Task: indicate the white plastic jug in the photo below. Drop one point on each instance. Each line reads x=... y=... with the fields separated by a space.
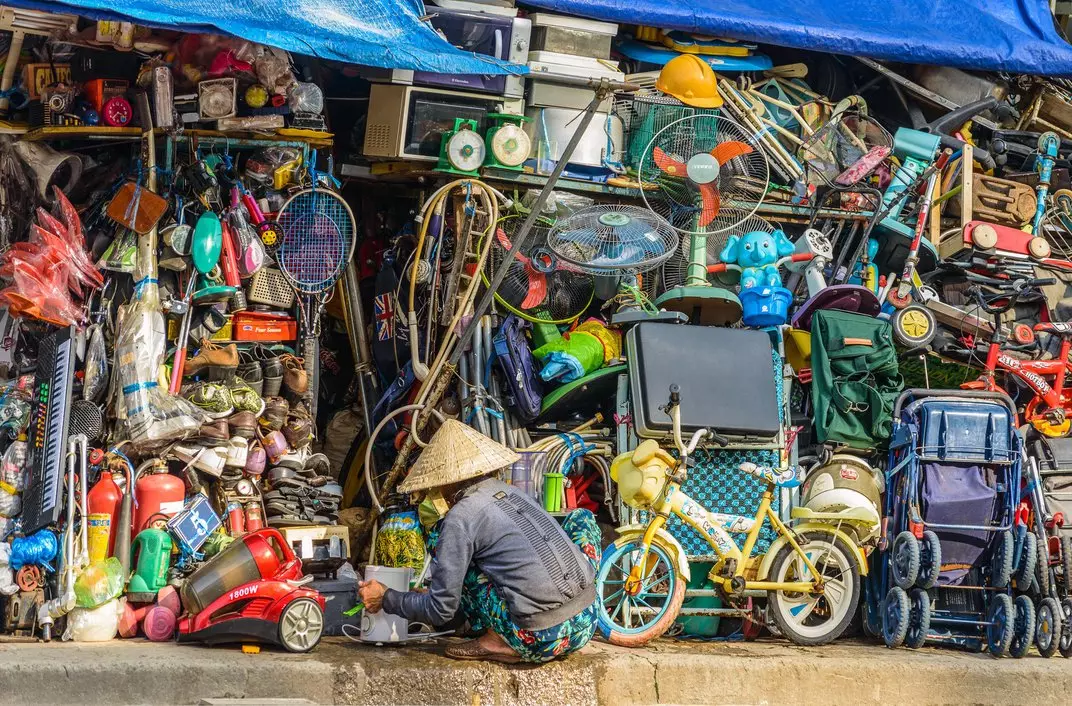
x=385 y=627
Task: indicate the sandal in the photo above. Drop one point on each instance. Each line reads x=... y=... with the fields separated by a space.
x=474 y=651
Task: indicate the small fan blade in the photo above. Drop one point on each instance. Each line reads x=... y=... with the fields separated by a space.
x=711 y=203
x=537 y=287
x=504 y=241
x=728 y=150
x=667 y=163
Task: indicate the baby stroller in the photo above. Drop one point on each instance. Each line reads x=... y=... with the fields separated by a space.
x=1048 y=488
x=948 y=558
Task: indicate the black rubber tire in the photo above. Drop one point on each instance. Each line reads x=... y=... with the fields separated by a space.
x=1002 y=615
x=1023 y=634
x=1025 y=570
x=919 y=620
x=904 y=560
x=1048 y=627
x=930 y=560
x=1065 y=643
x=1001 y=559
x=896 y=609
x=850 y=576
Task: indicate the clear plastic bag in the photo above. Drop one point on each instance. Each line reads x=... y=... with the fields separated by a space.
x=99 y=583
x=98 y=624
x=14 y=466
x=96 y=375
x=10 y=503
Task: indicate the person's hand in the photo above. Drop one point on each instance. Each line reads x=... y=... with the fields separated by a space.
x=371 y=593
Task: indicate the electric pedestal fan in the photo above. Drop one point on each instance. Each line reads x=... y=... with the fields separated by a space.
x=540 y=286
x=705 y=175
x=614 y=244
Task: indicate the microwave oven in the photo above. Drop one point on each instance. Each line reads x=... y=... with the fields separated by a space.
x=408 y=122
x=505 y=38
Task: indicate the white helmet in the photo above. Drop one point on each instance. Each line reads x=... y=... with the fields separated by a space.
x=845 y=482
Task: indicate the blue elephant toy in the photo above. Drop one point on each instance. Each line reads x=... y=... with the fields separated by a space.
x=756 y=254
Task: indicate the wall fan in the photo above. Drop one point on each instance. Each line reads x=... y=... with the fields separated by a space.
x=705 y=175
x=540 y=286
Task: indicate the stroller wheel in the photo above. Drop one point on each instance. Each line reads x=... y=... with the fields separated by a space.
x=1042 y=572
x=919 y=618
x=895 y=614
x=1023 y=631
x=930 y=560
x=905 y=560
x=1048 y=627
x=1002 y=621
x=1001 y=561
x=1065 y=643
x=1028 y=558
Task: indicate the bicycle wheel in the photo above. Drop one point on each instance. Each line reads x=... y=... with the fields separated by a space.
x=815 y=618
x=633 y=620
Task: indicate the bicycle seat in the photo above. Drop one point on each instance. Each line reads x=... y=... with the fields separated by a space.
x=1059 y=328
x=782 y=478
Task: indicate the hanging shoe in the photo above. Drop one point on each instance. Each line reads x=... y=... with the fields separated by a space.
x=295 y=377
x=213 y=399
x=214 y=431
x=220 y=361
x=256 y=459
x=272 y=370
x=298 y=432
x=250 y=370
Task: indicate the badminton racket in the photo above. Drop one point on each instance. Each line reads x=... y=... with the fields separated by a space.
x=318 y=242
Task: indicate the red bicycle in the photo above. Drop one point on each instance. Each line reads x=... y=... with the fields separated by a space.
x=1051 y=402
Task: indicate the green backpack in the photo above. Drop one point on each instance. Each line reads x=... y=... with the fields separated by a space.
x=855 y=381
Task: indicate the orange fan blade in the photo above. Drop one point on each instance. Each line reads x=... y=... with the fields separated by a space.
x=667 y=163
x=537 y=287
x=728 y=150
x=504 y=241
x=711 y=202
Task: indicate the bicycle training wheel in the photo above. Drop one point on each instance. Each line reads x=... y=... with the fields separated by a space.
x=632 y=619
x=815 y=618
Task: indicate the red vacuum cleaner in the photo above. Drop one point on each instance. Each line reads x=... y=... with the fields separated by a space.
x=253 y=591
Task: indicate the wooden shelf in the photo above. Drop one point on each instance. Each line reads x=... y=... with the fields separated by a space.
x=82 y=132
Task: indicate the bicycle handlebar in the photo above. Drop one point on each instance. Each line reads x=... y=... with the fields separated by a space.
x=1018 y=287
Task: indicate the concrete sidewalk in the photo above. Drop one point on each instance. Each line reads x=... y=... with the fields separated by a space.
x=767 y=672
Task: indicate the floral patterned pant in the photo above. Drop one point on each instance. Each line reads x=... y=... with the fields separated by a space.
x=485 y=607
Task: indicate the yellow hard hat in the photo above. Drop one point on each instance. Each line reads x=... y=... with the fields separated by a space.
x=691 y=80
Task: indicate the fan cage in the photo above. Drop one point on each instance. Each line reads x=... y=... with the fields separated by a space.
x=569 y=292
x=674 y=271
x=614 y=240
x=644 y=114
x=742 y=182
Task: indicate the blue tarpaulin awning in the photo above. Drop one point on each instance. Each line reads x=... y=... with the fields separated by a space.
x=999 y=35
x=382 y=33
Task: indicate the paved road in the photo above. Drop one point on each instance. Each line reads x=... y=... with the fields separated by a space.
x=672 y=672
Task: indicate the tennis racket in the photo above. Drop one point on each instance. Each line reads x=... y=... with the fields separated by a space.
x=318 y=242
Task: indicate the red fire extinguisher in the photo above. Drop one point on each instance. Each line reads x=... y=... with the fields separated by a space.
x=157 y=492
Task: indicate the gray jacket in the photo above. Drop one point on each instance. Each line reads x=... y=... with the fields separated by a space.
x=542 y=575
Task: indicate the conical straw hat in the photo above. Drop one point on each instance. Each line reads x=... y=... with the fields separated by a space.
x=457 y=452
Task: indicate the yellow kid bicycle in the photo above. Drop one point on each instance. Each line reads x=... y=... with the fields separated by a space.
x=810 y=574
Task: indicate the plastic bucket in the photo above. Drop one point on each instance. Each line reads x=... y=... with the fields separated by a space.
x=765 y=306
